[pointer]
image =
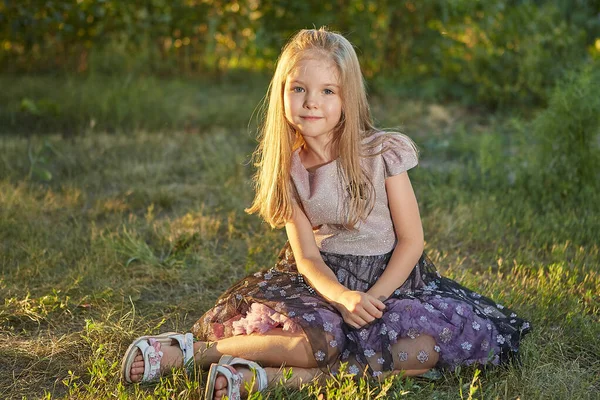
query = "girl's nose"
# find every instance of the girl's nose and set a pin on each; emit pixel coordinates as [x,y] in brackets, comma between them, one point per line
[310,101]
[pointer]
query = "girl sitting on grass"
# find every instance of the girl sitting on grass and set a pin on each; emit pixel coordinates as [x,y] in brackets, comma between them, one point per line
[352,286]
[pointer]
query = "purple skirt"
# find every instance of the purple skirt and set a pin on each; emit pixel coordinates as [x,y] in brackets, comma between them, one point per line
[467,327]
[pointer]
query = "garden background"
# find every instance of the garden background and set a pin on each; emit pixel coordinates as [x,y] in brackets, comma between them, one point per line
[126,129]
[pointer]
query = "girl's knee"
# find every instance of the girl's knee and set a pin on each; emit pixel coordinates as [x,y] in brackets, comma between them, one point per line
[427,342]
[418,353]
[428,345]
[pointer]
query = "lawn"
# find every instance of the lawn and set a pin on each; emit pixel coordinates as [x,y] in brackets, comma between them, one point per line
[108,236]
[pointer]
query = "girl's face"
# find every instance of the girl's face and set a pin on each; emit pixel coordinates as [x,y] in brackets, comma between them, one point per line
[312,98]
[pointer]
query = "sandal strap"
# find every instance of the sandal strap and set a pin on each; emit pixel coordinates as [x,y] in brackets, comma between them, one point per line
[186,344]
[152,356]
[261,374]
[234,382]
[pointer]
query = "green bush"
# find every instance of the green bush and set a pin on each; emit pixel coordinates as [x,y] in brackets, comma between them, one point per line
[564,157]
[513,54]
[494,52]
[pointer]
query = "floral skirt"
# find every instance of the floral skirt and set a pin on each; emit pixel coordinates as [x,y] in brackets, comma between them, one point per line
[467,327]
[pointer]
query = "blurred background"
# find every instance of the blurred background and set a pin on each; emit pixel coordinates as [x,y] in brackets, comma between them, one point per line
[491,54]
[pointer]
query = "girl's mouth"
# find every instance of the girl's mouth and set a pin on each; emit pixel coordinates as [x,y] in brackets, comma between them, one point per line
[311,118]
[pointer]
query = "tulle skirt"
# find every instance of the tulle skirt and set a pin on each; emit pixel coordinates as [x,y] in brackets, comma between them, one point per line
[467,327]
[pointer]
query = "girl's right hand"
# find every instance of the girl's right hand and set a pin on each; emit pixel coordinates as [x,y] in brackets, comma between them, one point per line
[358,308]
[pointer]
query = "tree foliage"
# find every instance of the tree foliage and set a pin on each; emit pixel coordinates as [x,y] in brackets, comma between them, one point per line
[492,51]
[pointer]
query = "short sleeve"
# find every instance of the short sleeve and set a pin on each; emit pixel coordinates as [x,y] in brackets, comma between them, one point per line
[399,155]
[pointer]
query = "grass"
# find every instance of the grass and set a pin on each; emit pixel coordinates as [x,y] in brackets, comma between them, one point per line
[72,104]
[106,237]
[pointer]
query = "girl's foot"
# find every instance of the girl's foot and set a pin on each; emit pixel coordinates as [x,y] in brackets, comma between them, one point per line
[172,358]
[221,383]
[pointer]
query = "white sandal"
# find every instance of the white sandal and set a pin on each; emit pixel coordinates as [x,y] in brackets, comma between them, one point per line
[234,379]
[150,349]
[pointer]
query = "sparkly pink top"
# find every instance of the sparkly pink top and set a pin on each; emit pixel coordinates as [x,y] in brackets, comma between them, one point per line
[321,194]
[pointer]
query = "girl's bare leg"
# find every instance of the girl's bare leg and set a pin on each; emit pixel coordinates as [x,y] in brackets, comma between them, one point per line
[277,348]
[411,357]
[272,349]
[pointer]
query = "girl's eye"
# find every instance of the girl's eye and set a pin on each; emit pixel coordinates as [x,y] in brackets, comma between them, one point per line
[328,91]
[297,89]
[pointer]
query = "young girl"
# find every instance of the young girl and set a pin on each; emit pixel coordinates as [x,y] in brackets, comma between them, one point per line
[352,285]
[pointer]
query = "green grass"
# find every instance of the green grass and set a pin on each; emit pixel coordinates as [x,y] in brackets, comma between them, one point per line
[106,237]
[71,104]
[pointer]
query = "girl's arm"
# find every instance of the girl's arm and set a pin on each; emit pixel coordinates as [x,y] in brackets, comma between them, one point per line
[357,308]
[409,231]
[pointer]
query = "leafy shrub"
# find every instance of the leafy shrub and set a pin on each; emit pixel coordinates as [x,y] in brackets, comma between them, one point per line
[564,157]
[494,52]
[512,54]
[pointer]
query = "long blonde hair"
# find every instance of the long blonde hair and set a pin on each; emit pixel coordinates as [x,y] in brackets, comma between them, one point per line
[278,139]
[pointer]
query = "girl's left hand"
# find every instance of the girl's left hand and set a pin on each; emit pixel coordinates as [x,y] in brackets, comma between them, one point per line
[358,308]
